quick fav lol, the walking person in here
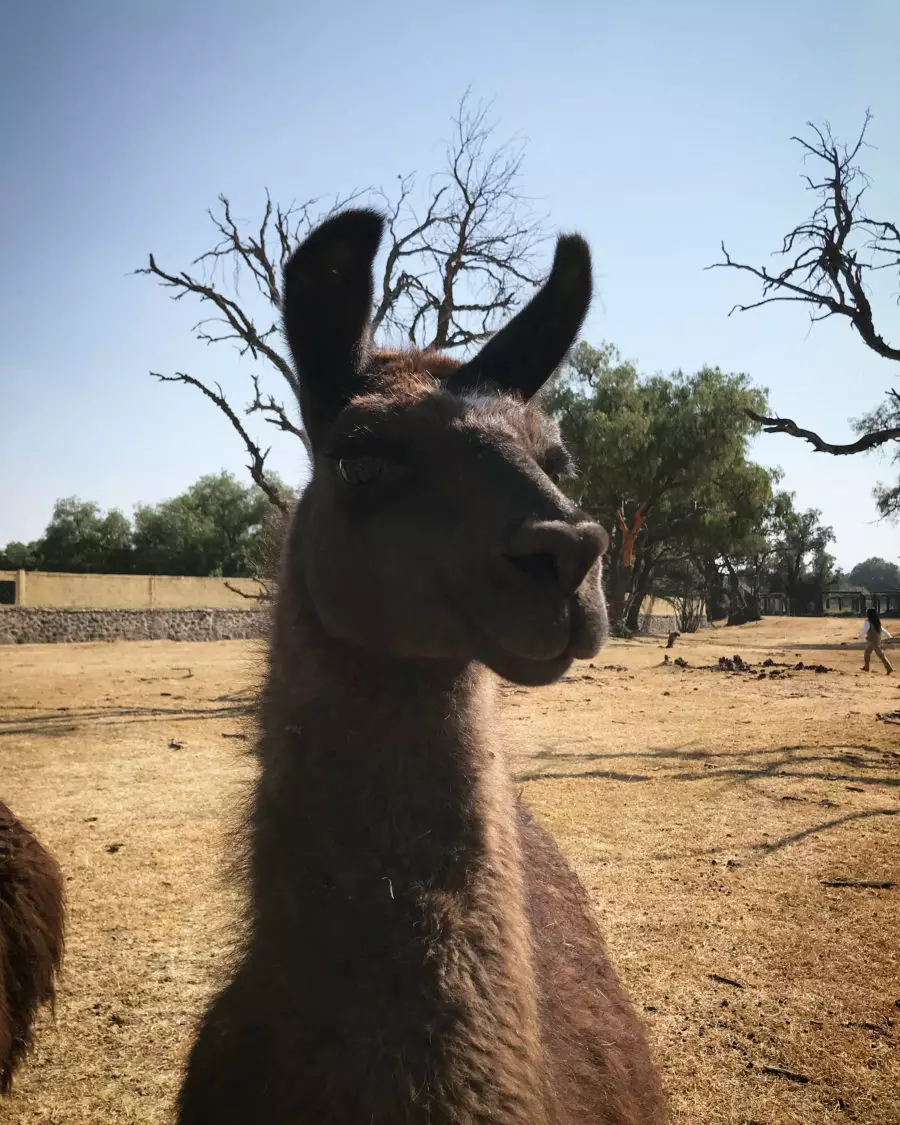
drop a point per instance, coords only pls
(875, 633)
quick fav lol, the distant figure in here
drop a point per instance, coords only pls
(874, 632)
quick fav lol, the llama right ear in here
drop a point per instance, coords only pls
(326, 306)
(526, 351)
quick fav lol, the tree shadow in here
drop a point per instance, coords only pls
(72, 719)
(769, 846)
(607, 775)
(785, 764)
(781, 761)
(855, 645)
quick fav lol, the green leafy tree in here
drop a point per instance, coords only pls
(801, 564)
(729, 544)
(217, 527)
(651, 453)
(875, 575)
(19, 556)
(80, 538)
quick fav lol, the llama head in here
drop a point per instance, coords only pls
(433, 527)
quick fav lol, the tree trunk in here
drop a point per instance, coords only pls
(716, 607)
(617, 598)
(624, 578)
(642, 574)
(741, 610)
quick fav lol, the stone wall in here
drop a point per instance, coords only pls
(31, 625)
(25, 625)
(657, 624)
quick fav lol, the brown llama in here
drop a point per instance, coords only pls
(417, 950)
(32, 914)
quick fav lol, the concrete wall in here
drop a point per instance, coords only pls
(127, 591)
(35, 625)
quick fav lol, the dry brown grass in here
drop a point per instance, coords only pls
(703, 811)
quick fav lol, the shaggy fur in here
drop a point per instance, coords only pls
(418, 951)
(31, 937)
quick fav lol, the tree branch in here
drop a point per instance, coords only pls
(279, 418)
(263, 594)
(452, 269)
(787, 426)
(242, 327)
(830, 254)
(257, 457)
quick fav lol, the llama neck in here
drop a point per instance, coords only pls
(381, 770)
(387, 879)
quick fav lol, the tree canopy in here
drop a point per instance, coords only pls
(218, 526)
(80, 538)
(875, 575)
(663, 463)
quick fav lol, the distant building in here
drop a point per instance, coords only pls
(886, 602)
(774, 605)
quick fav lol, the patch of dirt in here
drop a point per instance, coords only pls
(738, 836)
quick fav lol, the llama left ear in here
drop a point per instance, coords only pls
(326, 305)
(525, 353)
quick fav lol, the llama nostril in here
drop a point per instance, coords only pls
(539, 565)
(558, 551)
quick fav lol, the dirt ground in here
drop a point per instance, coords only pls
(706, 810)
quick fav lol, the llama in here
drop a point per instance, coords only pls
(416, 948)
(32, 912)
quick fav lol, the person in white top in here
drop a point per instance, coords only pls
(875, 633)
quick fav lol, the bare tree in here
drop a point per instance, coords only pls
(453, 266)
(829, 261)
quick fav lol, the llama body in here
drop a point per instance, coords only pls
(417, 950)
(31, 937)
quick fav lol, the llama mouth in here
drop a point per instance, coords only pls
(578, 634)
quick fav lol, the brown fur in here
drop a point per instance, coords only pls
(417, 950)
(31, 937)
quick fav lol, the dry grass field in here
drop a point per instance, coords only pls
(705, 810)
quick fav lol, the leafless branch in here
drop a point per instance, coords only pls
(257, 463)
(240, 327)
(276, 414)
(454, 269)
(787, 426)
(459, 255)
(263, 594)
(828, 257)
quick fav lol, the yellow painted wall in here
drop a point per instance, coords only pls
(127, 591)
(657, 607)
(143, 591)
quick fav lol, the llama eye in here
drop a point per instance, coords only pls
(360, 470)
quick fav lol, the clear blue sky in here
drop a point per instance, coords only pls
(655, 128)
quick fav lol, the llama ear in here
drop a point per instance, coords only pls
(525, 353)
(326, 307)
